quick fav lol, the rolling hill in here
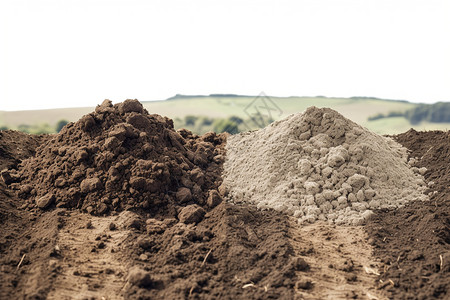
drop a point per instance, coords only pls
(358, 109)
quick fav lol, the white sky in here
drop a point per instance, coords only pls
(79, 52)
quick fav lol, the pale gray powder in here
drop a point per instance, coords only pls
(318, 165)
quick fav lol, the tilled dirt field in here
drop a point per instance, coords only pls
(211, 249)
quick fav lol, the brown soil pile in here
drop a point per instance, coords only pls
(236, 252)
(414, 242)
(120, 157)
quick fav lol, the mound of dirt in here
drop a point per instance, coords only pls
(318, 165)
(120, 157)
(414, 242)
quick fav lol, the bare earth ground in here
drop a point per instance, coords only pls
(89, 265)
(340, 259)
(235, 252)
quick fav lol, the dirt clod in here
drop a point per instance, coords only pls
(300, 264)
(45, 201)
(303, 284)
(139, 277)
(191, 214)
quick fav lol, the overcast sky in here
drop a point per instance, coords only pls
(79, 52)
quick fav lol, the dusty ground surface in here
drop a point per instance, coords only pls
(232, 252)
(340, 260)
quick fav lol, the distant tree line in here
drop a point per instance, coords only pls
(232, 125)
(196, 124)
(433, 113)
(38, 128)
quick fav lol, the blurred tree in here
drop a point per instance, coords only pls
(61, 124)
(205, 121)
(24, 128)
(236, 120)
(225, 125)
(42, 128)
(190, 120)
(435, 113)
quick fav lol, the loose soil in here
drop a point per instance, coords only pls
(413, 243)
(175, 241)
(341, 262)
(120, 157)
(199, 247)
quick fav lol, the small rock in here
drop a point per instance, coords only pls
(102, 209)
(369, 194)
(223, 191)
(25, 189)
(198, 176)
(90, 185)
(191, 214)
(111, 143)
(89, 225)
(139, 277)
(112, 226)
(360, 195)
(130, 106)
(52, 263)
(109, 271)
(422, 171)
(304, 284)
(87, 122)
(60, 182)
(106, 106)
(45, 201)
(145, 243)
(184, 195)
(357, 181)
(135, 224)
(139, 121)
(214, 199)
(351, 278)
(155, 226)
(415, 255)
(143, 257)
(300, 264)
(6, 177)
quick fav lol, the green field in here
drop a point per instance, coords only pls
(356, 109)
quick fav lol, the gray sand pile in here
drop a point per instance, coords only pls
(318, 165)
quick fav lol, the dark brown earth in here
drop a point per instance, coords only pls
(24, 237)
(414, 242)
(16, 146)
(236, 252)
(120, 157)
